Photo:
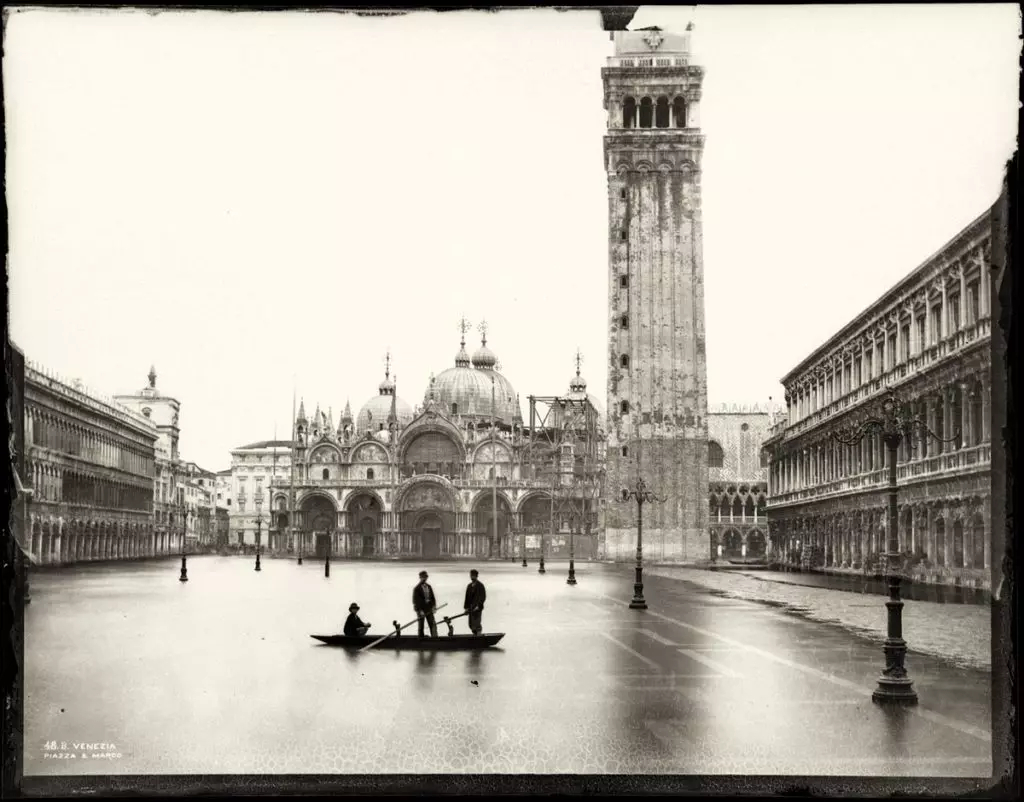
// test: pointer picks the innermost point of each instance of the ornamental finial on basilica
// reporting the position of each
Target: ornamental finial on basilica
(484, 359)
(301, 420)
(577, 384)
(462, 357)
(387, 387)
(152, 377)
(329, 427)
(346, 416)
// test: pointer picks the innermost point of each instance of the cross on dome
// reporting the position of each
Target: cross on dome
(579, 359)
(483, 331)
(463, 325)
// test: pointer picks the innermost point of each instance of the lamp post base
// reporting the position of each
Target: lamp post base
(300, 559)
(638, 603)
(541, 569)
(894, 692)
(572, 573)
(184, 570)
(327, 567)
(258, 562)
(524, 562)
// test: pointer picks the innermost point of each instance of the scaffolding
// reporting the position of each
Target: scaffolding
(564, 450)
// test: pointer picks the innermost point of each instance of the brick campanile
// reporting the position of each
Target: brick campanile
(657, 375)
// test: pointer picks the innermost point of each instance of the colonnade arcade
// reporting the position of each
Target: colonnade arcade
(57, 540)
(938, 538)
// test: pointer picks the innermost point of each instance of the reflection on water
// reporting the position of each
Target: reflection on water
(915, 591)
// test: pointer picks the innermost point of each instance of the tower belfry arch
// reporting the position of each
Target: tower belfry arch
(657, 376)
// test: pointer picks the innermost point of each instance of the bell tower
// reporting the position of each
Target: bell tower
(657, 376)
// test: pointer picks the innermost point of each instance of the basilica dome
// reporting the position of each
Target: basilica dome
(374, 413)
(466, 391)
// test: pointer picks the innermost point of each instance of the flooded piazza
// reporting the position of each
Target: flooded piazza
(219, 675)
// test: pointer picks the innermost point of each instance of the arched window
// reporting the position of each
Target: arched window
(939, 558)
(624, 407)
(624, 322)
(679, 113)
(629, 113)
(369, 473)
(327, 473)
(959, 557)
(716, 457)
(661, 113)
(624, 361)
(625, 451)
(646, 113)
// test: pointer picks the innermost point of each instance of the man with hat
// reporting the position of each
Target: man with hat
(353, 624)
(476, 594)
(424, 602)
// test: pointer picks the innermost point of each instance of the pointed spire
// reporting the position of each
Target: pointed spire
(393, 412)
(330, 419)
(302, 412)
(346, 416)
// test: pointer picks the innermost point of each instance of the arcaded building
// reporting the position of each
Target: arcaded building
(657, 378)
(928, 340)
(461, 476)
(738, 482)
(89, 464)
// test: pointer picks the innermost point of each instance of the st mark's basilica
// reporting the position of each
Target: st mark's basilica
(396, 481)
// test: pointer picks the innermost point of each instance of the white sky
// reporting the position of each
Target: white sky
(244, 198)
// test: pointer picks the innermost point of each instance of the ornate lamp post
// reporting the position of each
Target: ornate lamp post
(522, 544)
(642, 496)
(895, 423)
(327, 554)
(259, 527)
(572, 553)
(184, 528)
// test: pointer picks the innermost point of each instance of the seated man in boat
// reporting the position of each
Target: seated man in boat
(354, 625)
(476, 594)
(424, 602)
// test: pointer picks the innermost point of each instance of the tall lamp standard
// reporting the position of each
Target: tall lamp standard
(571, 580)
(522, 544)
(183, 577)
(327, 554)
(895, 423)
(642, 496)
(259, 527)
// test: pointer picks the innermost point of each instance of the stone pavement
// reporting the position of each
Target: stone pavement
(959, 633)
(220, 675)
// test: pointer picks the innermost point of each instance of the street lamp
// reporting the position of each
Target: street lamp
(522, 544)
(895, 423)
(183, 577)
(327, 554)
(572, 566)
(259, 527)
(642, 496)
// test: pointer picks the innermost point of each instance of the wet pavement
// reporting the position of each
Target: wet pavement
(958, 633)
(219, 675)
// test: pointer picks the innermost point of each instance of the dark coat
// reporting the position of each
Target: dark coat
(352, 624)
(476, 594)
(419, 603)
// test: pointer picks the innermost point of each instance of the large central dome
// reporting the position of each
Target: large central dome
(466, 391)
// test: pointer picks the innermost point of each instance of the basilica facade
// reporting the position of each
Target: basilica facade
(460, 476)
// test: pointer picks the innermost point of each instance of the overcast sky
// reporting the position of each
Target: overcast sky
(244, 199)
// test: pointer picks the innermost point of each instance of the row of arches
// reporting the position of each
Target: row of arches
(56, 540)
(57, 484)
(660, 112)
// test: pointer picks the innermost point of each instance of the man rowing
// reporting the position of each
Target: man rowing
(354, 625)
(476, 594)
(424, 602)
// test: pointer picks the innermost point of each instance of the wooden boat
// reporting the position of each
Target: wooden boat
(414, 642)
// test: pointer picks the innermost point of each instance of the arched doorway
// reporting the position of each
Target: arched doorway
(756, 544)
(319, 517)
(364, 515)
(428, 519)
(484, 519)
(939, 558)
(978, 542)
(732, 545)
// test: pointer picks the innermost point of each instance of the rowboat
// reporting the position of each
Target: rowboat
(413, 642)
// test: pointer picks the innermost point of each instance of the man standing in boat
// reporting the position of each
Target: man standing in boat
(354, 625)
(424, 602)
(476, 594)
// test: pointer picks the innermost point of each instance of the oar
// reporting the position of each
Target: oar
(381, 640)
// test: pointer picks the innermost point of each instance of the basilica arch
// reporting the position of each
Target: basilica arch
(483, 516)
(364, 512)
(319, 521)
(432, 448)
(427, 515)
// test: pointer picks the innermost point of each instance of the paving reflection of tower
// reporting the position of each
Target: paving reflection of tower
(657, 378)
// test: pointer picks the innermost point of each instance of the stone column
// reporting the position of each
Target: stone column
(927, 321)
(966, 440)
(944, 329)
(986, 411)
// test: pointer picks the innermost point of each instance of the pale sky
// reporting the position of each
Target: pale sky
(256, 201)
